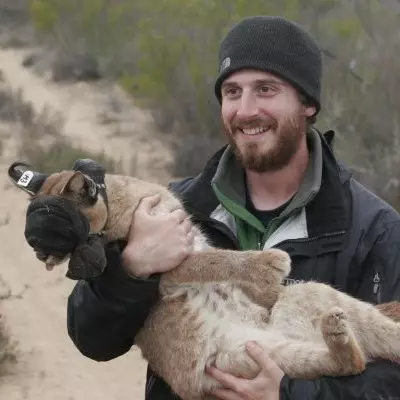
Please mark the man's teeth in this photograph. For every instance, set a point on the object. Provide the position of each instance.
(254, 131)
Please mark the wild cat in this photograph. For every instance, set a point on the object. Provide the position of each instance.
(218, 300)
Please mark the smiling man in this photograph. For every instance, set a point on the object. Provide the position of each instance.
(265, 121)
(276, 184)
(266, 124)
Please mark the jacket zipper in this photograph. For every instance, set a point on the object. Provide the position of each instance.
(313, 238)
(307, 240)
(377, 287)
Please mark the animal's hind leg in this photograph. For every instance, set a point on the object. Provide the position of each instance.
(297, 359)
(341, 342)
(339, 356)
(381, 335)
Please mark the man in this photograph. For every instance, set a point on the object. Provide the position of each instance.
(276, 184)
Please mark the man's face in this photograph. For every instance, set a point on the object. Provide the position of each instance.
(264, 119)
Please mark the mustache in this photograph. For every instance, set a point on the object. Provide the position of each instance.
(252, 123)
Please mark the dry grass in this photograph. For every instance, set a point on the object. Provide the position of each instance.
(20, 114)
(40, 136)
(61, 155)
(8, 354)
(8, 348)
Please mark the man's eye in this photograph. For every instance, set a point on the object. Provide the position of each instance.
(231, 92)
(265, 89)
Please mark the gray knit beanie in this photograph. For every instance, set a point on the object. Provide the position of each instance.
(276, 45)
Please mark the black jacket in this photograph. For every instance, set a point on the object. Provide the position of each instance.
(353, 244)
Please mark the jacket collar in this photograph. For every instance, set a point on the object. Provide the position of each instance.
(329, 211)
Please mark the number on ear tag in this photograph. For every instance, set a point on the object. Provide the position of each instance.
(25, 179)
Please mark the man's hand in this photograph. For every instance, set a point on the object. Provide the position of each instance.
(265, 386)
(156, 243)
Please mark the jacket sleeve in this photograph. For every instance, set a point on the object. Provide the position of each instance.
(381, 380)
(105, 314)
(379, 282)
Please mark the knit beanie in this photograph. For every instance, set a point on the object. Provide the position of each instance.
(275, 45)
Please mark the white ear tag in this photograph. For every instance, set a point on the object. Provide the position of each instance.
(25, 179)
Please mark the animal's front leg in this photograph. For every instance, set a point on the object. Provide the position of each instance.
(263, 270)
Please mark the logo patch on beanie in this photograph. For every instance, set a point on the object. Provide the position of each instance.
(225, 64)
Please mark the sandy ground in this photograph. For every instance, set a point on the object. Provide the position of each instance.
(97, 116)
(50, 367)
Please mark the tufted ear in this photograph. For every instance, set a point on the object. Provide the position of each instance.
(25, 177)
(81, 185)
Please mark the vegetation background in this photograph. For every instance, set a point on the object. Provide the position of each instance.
(162, 55)
(165, 54)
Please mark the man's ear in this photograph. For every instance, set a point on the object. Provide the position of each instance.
(309, 110)
(81, 184)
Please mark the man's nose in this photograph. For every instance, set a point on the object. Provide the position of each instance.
(248, 107)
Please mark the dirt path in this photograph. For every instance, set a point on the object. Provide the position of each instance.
(98, 116)
(50, 367)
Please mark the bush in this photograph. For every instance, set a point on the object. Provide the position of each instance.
(13, 108)
(79, 67)
(14, 13)
(61, 155)
(8, 350)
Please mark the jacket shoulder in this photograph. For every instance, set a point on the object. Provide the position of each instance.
(371, 209)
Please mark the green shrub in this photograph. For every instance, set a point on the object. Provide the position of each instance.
(61, 155)
(45, 14)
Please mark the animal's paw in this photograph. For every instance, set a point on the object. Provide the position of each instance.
(88, 260)
(334, 326)
(277, 259)
(342, 343)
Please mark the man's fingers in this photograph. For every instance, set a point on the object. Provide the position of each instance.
(260, 356)
(180, 215)
(187, 226)
(147, 203)
(228, 381)
(190, 237)
(225, 394)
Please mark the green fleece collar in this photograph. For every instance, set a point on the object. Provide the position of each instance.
(228, 183)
